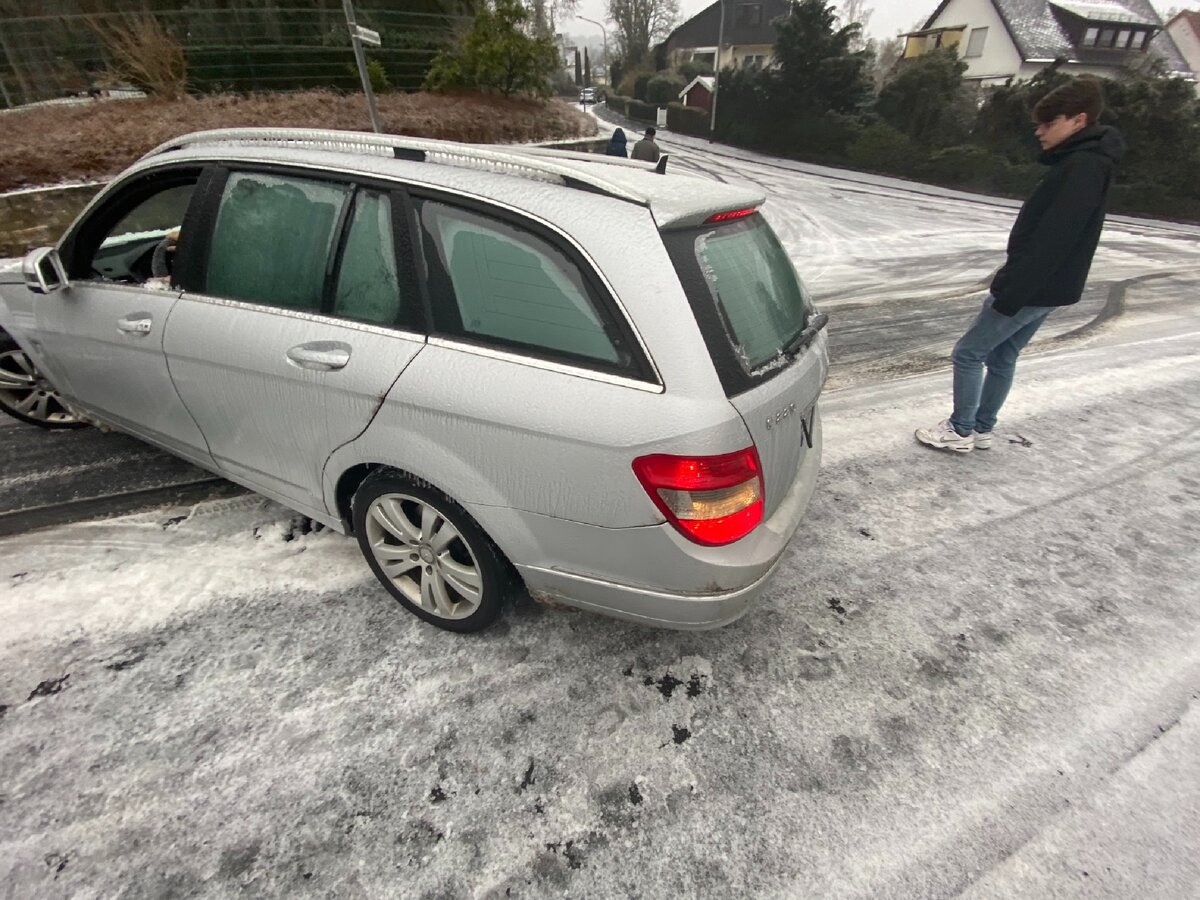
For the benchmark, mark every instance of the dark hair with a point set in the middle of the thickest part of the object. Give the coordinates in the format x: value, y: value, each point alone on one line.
x: 1079, y: 95
x: 650, y: 132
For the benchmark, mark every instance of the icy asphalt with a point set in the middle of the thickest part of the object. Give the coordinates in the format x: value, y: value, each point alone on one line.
x: 971, y: 675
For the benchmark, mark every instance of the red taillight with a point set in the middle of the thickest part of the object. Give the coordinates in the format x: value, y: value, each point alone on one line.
x: 712, y: 500
x: 727, y: 216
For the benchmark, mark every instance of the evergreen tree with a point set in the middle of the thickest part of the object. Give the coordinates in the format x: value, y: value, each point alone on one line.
x: 498, y: 55
x: 923, y: 100
x: 818, y: 71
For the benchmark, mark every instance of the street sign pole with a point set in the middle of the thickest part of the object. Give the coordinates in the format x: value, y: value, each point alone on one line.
x: 357, y: 37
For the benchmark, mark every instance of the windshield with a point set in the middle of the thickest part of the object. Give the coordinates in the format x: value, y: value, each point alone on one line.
x: 762, y: 304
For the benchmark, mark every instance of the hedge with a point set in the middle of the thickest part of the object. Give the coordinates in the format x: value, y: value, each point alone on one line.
x: 688, y: 119
x: 618, y: 103
x: 646, y: 112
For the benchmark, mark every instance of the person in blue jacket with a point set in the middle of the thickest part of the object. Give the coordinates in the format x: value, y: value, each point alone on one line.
x: 1050, y: 251
x: 616, y: 144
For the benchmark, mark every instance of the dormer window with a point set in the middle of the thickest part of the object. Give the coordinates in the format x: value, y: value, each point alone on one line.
x: 1115, y: 38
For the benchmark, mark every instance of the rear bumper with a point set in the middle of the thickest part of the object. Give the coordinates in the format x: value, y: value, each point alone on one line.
x: 652, y: 575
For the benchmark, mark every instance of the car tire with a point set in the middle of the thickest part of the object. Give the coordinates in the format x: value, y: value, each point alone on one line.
x: 428, y: 552
x: 25, y: 395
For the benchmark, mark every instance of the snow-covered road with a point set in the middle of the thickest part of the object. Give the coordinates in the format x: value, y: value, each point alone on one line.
x: 972, y: 675
x: 963, y: 670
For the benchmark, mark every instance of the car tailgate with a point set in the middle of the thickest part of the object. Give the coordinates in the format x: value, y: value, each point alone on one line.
x: 778, y: 414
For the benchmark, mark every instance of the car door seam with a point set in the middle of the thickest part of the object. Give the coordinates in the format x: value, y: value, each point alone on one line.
x: 171, y: 375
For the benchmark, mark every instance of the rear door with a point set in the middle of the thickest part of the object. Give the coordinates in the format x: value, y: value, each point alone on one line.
x: 298, y: 325
x: 763, y: 334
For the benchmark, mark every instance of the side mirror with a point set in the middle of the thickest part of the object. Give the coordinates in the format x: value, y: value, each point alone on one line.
x: 43, y: 271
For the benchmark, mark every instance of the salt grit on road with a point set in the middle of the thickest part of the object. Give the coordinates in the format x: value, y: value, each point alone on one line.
x: 971, y: 674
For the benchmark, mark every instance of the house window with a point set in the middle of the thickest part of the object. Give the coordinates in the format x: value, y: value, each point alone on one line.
x: 753, y: 62
x: 1123, y: 38
x: 748, y: 14
x: 975, y: 43
x: 1107, y: 36
x: 1090, y: 36
x: 1139, y: 40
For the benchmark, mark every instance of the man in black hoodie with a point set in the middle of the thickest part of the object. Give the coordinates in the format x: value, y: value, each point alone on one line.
x: 1050, y: 250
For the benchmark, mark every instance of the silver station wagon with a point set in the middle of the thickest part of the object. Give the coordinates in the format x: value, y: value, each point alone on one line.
x: 488, y: 364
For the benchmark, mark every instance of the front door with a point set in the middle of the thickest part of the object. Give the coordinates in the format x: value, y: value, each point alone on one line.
x: 102, y: 335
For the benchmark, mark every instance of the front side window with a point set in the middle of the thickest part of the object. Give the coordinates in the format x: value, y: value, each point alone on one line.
x: 1107, y: 36
x: 1123, y: 38
x: 273, y: 240
x: 976, y: 41
x: 492, y: 280
x: 135, y: 240
x: 1090, y: 36
x: 368, y: 285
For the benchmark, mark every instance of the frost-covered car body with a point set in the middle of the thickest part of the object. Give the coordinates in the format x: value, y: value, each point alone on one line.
x: 560, y: 345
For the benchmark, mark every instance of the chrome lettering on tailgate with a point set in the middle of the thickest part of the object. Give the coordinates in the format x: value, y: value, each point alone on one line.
x: 805, y: 422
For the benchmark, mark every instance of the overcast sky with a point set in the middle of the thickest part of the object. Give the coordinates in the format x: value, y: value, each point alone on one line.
x: 890, y: 17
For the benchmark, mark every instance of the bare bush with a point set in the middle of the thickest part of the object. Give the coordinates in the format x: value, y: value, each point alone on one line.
x: 143, y: 52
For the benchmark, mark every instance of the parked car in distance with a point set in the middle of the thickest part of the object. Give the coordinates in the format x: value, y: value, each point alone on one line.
x: 587, y: 95
x: 484, y: 363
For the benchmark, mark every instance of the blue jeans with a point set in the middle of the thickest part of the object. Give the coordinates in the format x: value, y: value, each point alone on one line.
x: 996, y: 341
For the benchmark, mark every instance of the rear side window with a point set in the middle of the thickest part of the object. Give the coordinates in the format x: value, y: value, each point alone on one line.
x: 495, y: 281
x: 748, y: 301
x: 368, y: 285
x: 273, y: 240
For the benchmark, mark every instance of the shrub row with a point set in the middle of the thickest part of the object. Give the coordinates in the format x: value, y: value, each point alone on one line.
x: 688, y: 119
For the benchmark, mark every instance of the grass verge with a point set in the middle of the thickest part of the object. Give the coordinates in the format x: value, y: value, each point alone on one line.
x: 95, y: 140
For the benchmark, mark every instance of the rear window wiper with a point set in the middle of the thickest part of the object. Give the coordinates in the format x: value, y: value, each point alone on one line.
x: 808, y: 335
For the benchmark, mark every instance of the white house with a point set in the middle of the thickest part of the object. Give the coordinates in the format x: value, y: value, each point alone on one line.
x: 1003, y: 39
x: 1184, y: 29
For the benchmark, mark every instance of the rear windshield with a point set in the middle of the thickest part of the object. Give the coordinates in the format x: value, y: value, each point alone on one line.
x: 744, y: 291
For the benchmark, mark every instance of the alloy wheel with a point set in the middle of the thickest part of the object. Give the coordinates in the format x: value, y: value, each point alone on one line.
x: 25, y: 394
x: 424, y: 556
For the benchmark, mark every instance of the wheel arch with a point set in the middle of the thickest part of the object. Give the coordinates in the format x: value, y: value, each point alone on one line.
x: 350, y: 480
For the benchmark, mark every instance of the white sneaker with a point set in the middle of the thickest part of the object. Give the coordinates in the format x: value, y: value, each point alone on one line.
x: 944, y: 437
x: 983, y: 440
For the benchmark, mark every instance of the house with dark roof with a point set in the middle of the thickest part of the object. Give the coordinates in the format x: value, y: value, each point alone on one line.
x: 1184, y: 29
x: 1003, y: 39
x: 747, y: 39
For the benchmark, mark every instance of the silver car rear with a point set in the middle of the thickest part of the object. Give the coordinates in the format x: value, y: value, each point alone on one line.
x: 598, y: 377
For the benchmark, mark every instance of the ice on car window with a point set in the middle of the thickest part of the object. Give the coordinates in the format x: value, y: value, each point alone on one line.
x: 511, y: 285
x: 273, y: 239
x: 368, y: 288
x: 761, y: 301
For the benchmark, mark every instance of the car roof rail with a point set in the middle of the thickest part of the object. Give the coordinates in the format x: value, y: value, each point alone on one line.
x: 503, y: 160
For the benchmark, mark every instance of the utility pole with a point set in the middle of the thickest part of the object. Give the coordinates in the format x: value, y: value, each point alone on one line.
x: 712, y: 123
x: 358, y: 35
x: 603, y: 31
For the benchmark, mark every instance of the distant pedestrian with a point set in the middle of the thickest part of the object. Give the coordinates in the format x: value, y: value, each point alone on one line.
x: 1050, y: 250
x: 616, y: 144
x: 646, y: 149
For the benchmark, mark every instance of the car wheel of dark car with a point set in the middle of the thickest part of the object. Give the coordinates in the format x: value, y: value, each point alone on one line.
x: 26, y: 395
x: 428, y: 552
